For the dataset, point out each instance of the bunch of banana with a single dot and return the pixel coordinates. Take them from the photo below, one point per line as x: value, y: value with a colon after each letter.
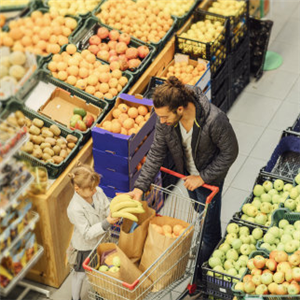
x: 123, y: 206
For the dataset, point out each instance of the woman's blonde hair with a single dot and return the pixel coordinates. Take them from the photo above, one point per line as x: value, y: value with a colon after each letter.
x: 84, y: 176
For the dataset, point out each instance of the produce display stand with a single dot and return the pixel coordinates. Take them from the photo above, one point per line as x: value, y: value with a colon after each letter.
x: 54, y: 230
x: 189, y: 243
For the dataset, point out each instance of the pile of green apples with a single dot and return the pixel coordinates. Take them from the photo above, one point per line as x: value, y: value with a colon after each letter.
x: 293, y: 203
x: 278, y: 274
x: 231, y: 257
x: 267, y: 197
x: 284, y: 237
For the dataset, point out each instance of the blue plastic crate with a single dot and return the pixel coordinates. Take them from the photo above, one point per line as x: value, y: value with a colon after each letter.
x: 285, y: 160
x: 121, y: 164
x: 120, y: 144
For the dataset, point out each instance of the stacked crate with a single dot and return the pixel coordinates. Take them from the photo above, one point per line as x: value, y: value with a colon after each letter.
x: 117, y: 156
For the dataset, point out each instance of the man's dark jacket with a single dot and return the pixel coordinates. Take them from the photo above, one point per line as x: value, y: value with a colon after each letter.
x: 214, y: 145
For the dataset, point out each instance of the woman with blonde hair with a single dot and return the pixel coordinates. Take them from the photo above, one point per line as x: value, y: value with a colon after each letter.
x: 89, y: 212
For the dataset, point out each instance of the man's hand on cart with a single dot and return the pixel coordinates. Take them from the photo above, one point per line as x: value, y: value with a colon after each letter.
x: 112, y: 220
x: 136, y: 194
x: 192, y: 182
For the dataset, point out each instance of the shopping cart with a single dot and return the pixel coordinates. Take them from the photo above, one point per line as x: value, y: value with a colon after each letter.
x: 178, y: 206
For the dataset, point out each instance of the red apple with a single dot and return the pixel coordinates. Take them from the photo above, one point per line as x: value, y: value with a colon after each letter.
x: 103, y: 33
x: 247, y: 278
x: 123, y: 64
x: 123, y: 56
x: 259, y: 261
x: 112, y: 52
x: 296, y: 273
x: 121, y: 47
x: 114, y: 35
x: 267, y: 271
x: 289, y: 275
x: 283, y: 266
x: 250, y: 264
x: 80, y: 125
x: 249, y: 287
x: 294, y: 289
x: 294, y: 259
x: 278, y: 277
x: 112, y: 44
x: 272, y: 287
x: 124, y: 37
x: 273, y: 254
x: 113, y: 58
x: 271, y: 264
x: 94, y: 40
x: 104, y: 46
x: 256, y: 271
x: 143, y: 51
x: 134, y: 63
x: 281, y: 256
x: 88, y: 120
x: 94, y: 49
x: 132, y: 53
x: 103, y: 54
x: 261, y: 290
x: 281, y: 290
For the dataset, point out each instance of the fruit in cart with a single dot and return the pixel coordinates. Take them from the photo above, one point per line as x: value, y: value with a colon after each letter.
x: 114, y: 269
x: 103, y: 268
x: 177, y: 229
x: 144, y: 21
x: 116, y: 261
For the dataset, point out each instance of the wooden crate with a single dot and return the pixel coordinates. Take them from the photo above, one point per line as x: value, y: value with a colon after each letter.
x: 54, y: 229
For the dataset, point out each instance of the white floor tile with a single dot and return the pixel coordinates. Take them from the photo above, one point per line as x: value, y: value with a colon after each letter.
x: 275, y: 84
x: 282, y: 9
x: 294, y: 94
x: 276, y: 28
x: 247, y: 135
x: 246, y: 176
x: 254, y: 109
x: 296, y: 14
x: 290, y: 32
x: 236, y: 166
x: 285, y: 116
x: 289, y: 53
x: 232, y: 202
x: 266, y: 144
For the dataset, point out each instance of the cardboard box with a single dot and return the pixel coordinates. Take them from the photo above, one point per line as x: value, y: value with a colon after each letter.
x: 59, y: 107
x: 205, y: 78
x: 120, y: 144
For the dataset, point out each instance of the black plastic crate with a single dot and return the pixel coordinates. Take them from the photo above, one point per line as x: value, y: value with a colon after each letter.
x: 262, y: 177
x: 153, y: 83
x: 216, y: 52
x: 43, y: 76
x: 220, y: 283
x: 225, y: 104
x: 285, y: 159
x: 260, y: 32
x: 90, y: 27
x: 238, y: 36
x: 238, y: 55
x: 221, y: 95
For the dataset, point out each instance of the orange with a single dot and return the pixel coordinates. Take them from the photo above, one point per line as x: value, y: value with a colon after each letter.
x: 71, y: 48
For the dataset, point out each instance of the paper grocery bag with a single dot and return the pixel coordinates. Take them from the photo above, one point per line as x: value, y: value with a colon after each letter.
x: 164, y: 259
x: 110, y: 285
x: 132, y: 244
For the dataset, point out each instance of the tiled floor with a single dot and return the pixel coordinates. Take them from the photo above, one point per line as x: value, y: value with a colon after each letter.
x: 259, y: 115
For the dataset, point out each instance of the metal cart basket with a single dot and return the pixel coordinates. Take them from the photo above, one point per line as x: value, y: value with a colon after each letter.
x: 178, y: 206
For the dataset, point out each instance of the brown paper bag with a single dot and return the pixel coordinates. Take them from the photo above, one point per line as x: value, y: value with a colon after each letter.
x: 165, y: 257
x: 132, y: 244
x: 110, y: 285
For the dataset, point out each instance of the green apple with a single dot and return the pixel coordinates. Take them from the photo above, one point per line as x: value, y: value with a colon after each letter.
x: 245, y: 249
x: 232, y: 272
x: 228, y: 264
x: 298, y: 187
x: 268, y: 185
x: 269, y: 238
x: 290, y: 247
x: 253, y: 241
x: 297, y: 209
x: 275, y: 206
x: 296, y: 243
x: 276, y: 199
x: 116, y: 261
x: 103, y: 268
x: 296, y: 235
x: 266, y: 246
x: 285, y: 238
x: 236, y: 244
x: 224, y: 247
x: 232, y: 254
x: 257, y: 233
x: 218, y: 269
x: 289, y: 229
x: 274, y: 230
x: 266, y: 198
x: 294, y: 193
x: 114, y: 269
x: 277, y: 241
x: 232, y: 228
x: 252, y: 211
x: 272, y: 192
x: 258, y: 190
x: 266, y: 207
x: 252, y: 247
x: 297, y: 225
x: 220, y: 254
x: 283, y: 223
x: 268, y: 224
x: 230, y: 237
x: 278, y: 184
x: 256, y: 203
x: 245, y: 208
x: 239, y: 264
x: 214, y: 261
x: 287, y: 187
x: 244, y: 230
x: 242, y: 271
x: 251, y: 220
x: 244, y: 217
x: 285, y: 194
x: 290, y: 204
x: 245, y: 239
x: 280, y: 247
x: 261, y: 218
x: 297, y: 178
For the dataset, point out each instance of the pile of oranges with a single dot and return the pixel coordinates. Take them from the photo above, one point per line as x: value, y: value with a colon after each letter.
x: 85, y: 72
x: 40, y: 33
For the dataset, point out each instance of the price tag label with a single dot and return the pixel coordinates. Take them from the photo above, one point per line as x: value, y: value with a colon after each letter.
x: 178, y: 57
x: 202, y: 61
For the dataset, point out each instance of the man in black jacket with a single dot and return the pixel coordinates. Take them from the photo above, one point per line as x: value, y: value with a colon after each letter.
x: 203, y: 146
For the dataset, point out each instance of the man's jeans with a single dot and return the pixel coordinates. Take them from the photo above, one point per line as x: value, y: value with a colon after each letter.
x: 212, y: 228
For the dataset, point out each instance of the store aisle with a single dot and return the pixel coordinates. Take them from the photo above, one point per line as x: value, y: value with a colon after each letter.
x: 259, y: 115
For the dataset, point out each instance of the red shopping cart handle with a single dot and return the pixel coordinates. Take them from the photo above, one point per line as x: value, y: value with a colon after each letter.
x: 85, y: 264
x: 130, y: 286
x: 214, y: 189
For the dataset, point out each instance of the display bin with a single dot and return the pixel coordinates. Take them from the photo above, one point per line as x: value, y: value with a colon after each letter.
x: 225, y: 103
x: 121, y: 164
x: 262, y: 176
x: 239, y: 54
x: 241, y: 16
x: 216, y: 51
x: 90, y: 27
x: 221, y: 95
x: 238, y: 37
x: 278, y: 215
x: 13, y: 5
x: 54, y: 170
x: 111, y: 102
x: 158, y: 46
x: 285, y: 159
x: 220, y: 283
x: 120, y: 144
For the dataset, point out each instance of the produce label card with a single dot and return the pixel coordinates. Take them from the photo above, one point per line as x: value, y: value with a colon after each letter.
x: 180, y: 58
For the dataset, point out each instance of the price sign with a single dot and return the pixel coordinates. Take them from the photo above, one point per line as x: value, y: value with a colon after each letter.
x: 178, y: 57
